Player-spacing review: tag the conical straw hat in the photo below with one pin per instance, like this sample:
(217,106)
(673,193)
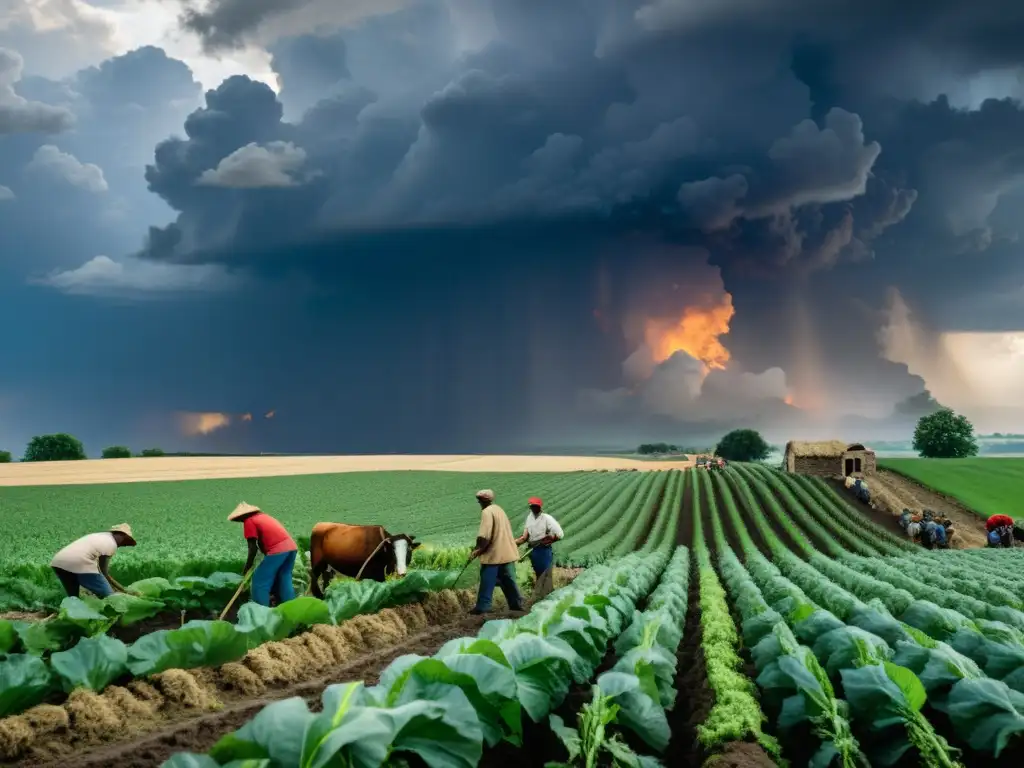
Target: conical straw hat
(242,509)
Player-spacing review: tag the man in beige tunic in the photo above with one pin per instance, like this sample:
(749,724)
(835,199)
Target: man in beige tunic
(86,561)
(498,553)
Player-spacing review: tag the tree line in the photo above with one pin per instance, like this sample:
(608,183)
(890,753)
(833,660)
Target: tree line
(65,447)
(942,434)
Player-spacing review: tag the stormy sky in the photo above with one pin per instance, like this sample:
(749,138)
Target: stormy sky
(506,225)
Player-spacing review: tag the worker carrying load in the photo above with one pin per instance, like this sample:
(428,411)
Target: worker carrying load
(541,531)
(1000,531)
(85,562)
(274,573)
(496,548)
(933,534)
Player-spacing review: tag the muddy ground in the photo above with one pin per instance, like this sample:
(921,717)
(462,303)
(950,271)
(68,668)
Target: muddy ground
(178,726)
(969,527)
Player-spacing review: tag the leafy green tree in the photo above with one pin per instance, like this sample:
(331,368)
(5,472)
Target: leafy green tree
(743,445)
(5,457)
(153,452)
(945,435)
(59,447)
(117,452)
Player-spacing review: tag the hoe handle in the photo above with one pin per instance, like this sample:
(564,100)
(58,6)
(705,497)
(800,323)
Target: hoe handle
(243,585)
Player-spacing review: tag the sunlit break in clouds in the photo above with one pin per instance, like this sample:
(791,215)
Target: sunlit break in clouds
(194,424)
(697,333)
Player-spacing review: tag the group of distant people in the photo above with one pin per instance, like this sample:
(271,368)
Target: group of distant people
(927,528)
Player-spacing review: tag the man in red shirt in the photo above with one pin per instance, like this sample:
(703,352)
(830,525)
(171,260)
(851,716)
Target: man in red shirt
(274,574)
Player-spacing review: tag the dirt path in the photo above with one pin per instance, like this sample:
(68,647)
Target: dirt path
(970,529)
(143,470)
(186,732)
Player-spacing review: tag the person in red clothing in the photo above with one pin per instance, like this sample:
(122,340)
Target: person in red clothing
(274,573)
(1003,526)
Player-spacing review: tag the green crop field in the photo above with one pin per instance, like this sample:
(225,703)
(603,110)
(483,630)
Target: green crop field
(748,615)
(182,527)
(989,486)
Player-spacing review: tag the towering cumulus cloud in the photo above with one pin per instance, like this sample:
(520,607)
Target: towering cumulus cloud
(443,224)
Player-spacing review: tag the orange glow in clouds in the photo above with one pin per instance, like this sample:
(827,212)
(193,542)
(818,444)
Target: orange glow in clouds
(193,424)
(697,333)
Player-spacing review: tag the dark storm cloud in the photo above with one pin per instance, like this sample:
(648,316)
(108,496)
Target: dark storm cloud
(80,193)
(463,177)
(518,134)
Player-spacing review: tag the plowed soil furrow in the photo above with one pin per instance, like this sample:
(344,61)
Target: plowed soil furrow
(649,524)
(684,529)
(183,731)
(748,515)
(732,537)
(696,698)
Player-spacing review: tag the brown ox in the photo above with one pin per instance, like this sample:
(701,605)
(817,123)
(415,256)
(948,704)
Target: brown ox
(347,548)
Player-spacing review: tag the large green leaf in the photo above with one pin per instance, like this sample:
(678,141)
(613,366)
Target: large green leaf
(8,637)
(130,609)
(93,663)
(260,623)
(543,670)
(350,724)
(301,612)
(276,733)
(449,733)
(24,682)
(77,612)
(197,644)
(153,587)
(39,637)
(986,713)
(637,711)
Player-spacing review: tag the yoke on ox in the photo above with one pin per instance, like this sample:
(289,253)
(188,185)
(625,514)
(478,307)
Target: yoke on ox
(359,551)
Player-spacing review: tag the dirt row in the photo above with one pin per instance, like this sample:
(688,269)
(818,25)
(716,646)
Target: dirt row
(146,721)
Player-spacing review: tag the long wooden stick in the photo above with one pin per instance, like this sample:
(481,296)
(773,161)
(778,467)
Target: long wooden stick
(245,582)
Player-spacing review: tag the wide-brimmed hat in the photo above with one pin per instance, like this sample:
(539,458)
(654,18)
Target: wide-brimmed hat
(125,529)
(242,509)
(486,494)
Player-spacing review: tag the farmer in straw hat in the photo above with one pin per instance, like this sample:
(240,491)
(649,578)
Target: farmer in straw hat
(496,548)
(274,573)
(85,562)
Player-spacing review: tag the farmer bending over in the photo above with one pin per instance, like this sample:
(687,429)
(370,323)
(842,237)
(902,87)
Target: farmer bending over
(85,562)
(1002,528)
(496,548)
(541,531)
(274,573)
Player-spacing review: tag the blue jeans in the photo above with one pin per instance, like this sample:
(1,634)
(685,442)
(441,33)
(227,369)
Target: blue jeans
(542,558)
(94,582)
(274,574)
(501,575)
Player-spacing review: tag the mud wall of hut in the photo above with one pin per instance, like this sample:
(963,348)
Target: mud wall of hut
(817,465)
(867,461)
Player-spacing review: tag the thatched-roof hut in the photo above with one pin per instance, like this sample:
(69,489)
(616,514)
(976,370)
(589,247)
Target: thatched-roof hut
(828,458)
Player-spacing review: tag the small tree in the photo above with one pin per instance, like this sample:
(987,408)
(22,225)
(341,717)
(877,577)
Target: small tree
(5,457)
(117,452)
(743,445)
(945,435)
(153,452)
(59,447)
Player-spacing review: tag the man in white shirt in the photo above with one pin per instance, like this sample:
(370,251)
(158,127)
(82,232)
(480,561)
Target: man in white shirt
(541,531)
(85,562)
